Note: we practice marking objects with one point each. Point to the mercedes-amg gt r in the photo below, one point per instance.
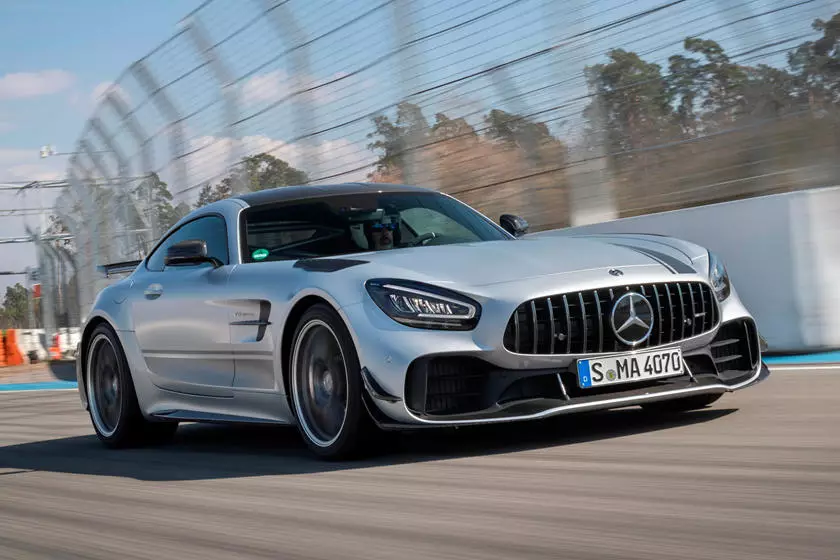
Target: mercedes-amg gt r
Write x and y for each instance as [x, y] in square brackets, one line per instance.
[353, 308]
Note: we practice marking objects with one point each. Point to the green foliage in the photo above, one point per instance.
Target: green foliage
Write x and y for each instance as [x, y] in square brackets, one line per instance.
[513, 130]
[154, 194]
[704, 90]
[256, 173]
[14, 311]
[636, 99]
[817, 63]
[452, 129]
[393, 139]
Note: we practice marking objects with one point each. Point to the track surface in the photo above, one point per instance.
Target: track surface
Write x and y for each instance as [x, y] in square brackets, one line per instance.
[757, 476]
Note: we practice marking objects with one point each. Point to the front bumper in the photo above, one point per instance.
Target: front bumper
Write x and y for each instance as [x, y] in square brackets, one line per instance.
[458, 380]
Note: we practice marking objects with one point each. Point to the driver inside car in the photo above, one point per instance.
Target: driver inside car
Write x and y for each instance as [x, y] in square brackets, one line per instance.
[381, 233]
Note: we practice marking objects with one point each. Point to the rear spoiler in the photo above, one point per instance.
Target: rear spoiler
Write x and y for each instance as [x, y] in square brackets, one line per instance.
[118, 267]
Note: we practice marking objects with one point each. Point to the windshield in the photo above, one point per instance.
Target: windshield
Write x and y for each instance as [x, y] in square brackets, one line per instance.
[346, 224]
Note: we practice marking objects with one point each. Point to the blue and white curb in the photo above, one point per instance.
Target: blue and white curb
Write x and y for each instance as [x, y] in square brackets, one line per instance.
[39, 386]
[817, 359]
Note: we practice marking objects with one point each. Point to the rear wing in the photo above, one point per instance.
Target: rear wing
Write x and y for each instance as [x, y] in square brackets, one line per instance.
[123, 267]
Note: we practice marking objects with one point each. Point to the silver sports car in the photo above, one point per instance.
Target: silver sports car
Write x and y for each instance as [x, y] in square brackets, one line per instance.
[354, 308]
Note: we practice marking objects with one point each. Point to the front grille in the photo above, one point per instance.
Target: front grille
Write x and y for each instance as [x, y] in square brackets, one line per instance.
[579, 322]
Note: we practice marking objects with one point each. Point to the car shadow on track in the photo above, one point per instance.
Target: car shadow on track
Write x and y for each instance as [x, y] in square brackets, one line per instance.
[201, 452]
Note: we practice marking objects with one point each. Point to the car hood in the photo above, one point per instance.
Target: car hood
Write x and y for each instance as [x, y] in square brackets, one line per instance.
[495, 262]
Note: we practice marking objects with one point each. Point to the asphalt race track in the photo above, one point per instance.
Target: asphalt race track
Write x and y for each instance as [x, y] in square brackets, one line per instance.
[757, 476]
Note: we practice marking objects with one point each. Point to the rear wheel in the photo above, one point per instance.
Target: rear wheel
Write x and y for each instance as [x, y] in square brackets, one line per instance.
[326, 387]
[684, 404]
[112, 402]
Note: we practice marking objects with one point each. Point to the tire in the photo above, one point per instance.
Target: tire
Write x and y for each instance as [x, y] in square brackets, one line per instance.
[682, 405]
[112, 401]
[326, 386]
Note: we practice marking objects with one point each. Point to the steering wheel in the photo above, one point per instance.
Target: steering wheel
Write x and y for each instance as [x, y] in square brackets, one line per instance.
[422, 239]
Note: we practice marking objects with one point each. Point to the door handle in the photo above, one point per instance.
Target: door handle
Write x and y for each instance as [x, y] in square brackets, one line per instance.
[153, 291]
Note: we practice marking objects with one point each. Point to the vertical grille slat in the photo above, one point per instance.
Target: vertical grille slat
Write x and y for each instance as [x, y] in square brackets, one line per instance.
[516, 330]
[672, 332]
[534, 327]
[568, 325]
[552, 332]
[658, 313]
[583, 321]
[683, 310]
[612, 300]
[599, 322]
[644, 293]
[693, 311]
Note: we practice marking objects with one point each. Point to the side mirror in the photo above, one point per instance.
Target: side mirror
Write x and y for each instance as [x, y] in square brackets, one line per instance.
[191, 251]
[514, 225]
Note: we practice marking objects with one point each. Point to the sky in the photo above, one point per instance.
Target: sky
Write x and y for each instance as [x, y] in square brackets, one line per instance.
[57, 57]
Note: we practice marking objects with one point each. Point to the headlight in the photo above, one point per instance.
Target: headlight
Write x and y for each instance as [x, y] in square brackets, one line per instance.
[424, 306]
[719, 277]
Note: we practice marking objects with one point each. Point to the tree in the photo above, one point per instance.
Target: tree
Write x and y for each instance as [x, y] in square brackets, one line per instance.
[635, 98]
[817, 63]
[264, 171]
[514, 130]
[153, 194]
[452, 129]
[15, 305]
[257, 172]
[716, 84]
[394, 139]
[213, 193]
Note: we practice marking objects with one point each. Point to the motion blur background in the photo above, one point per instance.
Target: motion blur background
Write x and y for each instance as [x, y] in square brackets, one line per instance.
[565, 112]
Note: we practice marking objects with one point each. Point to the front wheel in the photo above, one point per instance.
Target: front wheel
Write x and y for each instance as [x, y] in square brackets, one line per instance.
[326, 387]
[682, 405]
[112, 402]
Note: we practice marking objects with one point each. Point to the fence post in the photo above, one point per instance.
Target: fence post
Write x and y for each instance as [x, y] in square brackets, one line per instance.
[146, 157]
[108, 218]
[284, 22]
[591, 195]
[45, 265]
[170, 113]
[202, 44]
[91, 233]
[123, 199]
[415, 169]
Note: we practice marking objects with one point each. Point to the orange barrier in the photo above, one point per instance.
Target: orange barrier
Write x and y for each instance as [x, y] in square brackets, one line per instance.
[13, 355]
[2, 348]
[55, 349]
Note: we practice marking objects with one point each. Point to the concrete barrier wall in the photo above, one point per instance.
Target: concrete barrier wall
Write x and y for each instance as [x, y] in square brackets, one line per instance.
[783, 255]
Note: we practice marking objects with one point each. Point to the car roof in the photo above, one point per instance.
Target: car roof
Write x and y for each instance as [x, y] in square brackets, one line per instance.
[300, 192]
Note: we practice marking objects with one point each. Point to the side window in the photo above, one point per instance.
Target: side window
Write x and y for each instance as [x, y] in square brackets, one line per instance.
[210, 229]
[294, 232]
[425, 220]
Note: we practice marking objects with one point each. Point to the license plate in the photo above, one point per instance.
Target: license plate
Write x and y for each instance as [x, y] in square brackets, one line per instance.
[628, 368]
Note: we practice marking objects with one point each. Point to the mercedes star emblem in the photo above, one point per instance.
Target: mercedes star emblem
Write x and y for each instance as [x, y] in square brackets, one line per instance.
[632, 319]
